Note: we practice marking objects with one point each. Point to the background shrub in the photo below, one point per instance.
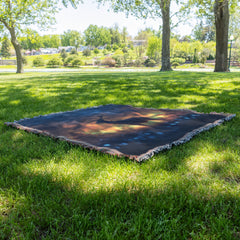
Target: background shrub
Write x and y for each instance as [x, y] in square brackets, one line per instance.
[109, 48]
[130, 63]
[86, 52]
[105, 51]
[125, 50]
[68, 60]
[73, 61]
[175, 64]
[24, 60]
[115, 46]
[150, 62]
[74, 51]
[109, 61]
[119, 60]
[126, 58]
[203, 59]
[96, 50]
[38, 62]
[138, 62]
[76, 62]
[54, 62]
[63, 54]
[97, 62]
[178, 60]
[118, 52]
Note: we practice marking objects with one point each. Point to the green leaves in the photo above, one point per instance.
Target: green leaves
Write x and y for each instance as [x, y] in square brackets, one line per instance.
[16, 15]
[21, 13]
[71, 38]
[5, 49]
[74, 3]
[97, 36]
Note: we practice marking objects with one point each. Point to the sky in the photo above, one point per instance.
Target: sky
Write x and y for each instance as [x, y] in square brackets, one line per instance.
[88, 13]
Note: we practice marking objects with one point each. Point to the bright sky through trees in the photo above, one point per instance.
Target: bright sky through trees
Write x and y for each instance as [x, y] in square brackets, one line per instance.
[88, 13]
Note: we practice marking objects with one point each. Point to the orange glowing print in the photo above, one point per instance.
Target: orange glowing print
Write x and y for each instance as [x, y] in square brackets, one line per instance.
[123, 122]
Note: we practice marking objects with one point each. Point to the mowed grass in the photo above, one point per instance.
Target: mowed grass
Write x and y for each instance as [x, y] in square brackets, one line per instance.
[53, 190]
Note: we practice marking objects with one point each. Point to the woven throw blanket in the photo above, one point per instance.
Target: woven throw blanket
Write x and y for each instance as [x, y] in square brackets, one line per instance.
[122, 130]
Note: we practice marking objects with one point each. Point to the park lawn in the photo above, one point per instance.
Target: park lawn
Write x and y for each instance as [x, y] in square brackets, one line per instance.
[53, 190]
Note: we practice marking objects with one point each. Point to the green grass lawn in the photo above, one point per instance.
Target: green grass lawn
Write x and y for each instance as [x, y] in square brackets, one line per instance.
[53, 190]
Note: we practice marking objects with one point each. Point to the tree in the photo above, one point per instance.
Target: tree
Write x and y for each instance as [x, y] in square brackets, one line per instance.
[51, 41]
[165, 9]
[97, 36]
[5, 49]
[144, 9]
[124, 35]
[205, 32]
[154, 48]
[15, 15]
[115, 35]
[72, 38]
[31, 41]
[144, 35]
[221, 10]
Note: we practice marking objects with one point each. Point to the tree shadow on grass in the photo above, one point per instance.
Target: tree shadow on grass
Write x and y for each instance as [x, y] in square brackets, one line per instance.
[39, 95]
[53, 93]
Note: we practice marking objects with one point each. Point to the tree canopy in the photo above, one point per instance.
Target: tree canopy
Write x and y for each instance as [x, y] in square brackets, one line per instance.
[5, 49]
[97, 36]
[17, 15]
[234, 25]
[71, 38]
[22, 13]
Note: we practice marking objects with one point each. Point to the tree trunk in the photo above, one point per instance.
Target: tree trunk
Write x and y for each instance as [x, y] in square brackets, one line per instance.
[221, 12]
[17, 48]
[165, 8]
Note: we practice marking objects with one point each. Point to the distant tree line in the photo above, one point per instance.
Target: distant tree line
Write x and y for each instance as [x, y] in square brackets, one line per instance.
[93, 36]
[195, 48]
